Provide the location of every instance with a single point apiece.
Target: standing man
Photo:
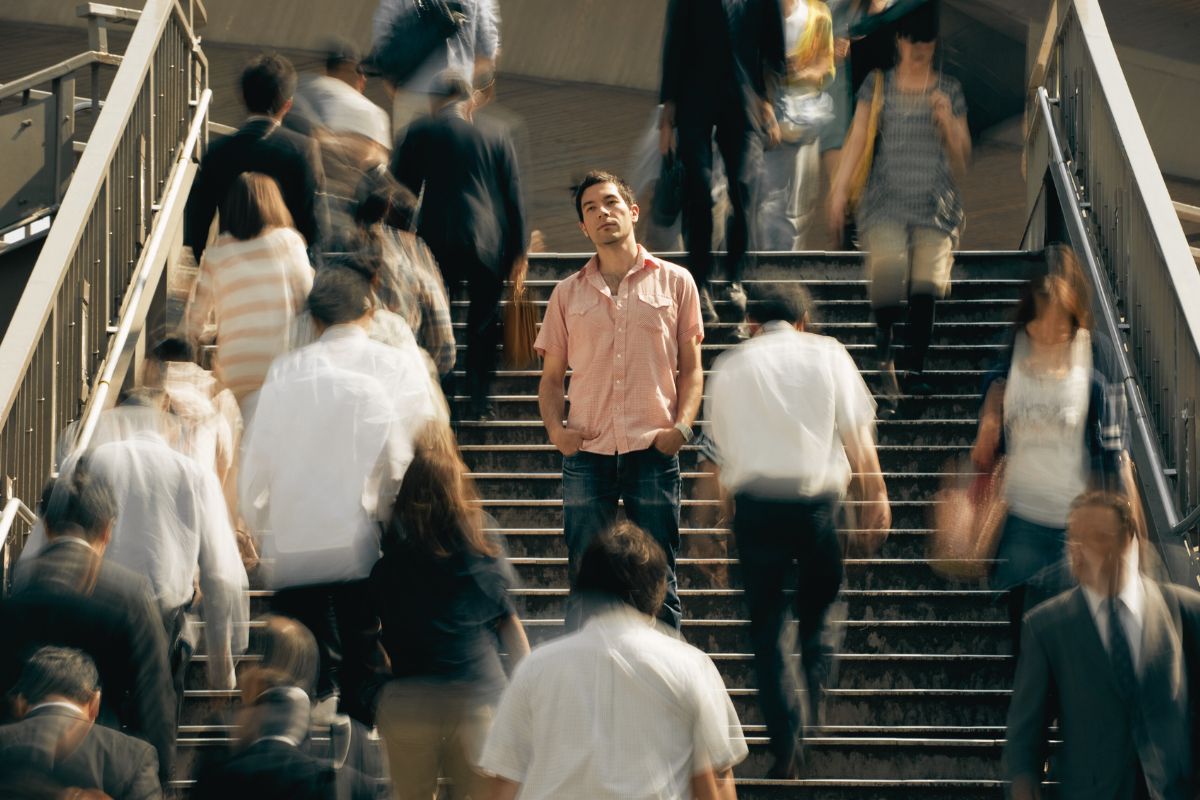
(472, 218)
(793, 423)
(260, 145)
(625, 324)
(722, 60)
(1117, 661)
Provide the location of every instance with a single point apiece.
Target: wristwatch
(684, 429)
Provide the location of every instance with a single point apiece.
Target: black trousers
(343, 621)
(778, 541)
(740, 145)
(484, 290)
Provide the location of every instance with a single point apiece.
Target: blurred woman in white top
(252, 282)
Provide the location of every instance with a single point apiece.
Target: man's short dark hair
(268, 82)
(779, 303)
(340, 294)
(340, 51)
(600, 176)
(624, 564)
(1115, 502)
(78, 503)
(60, 671)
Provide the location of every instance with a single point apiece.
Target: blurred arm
(512, 636)
(502, 789)
(1027, 718)
(711, 785)
(690, 387)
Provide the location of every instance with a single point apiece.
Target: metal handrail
(119, 211)
(1085, 132)
(151, 262)
(14, 509)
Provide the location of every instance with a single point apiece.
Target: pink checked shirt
(623, 351)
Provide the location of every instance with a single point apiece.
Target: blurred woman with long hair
(441, 590)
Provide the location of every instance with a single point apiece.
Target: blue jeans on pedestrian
(648, 483)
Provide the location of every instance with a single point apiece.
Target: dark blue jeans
(648, 483)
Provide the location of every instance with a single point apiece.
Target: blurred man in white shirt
(617, 710)
(793, 423)
(323, 460)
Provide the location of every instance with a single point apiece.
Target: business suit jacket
(719, 56)
(1065, 672)
(472, 207)
(267, 770)
(68, 597)
(121, 766)
(258, 146)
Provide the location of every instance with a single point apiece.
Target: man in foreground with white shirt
(617, 710)
(1116, 661)
(793, 423)
(323, 461)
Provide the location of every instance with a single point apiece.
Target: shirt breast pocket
(656, 312)
(581, 307)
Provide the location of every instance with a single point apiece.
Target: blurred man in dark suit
(472, 216)
(69, 596)
(58, 696)
(260, 145)
(1117, 662)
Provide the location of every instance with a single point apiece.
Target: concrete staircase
(923, 678)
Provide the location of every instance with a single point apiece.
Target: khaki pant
(903, 262)
(433, 731)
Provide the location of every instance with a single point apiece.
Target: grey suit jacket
(1064, 673)
(121, 766)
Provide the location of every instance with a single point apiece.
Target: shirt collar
(347, 330)
(646, 260)
(74, 709)
(1132, 594)
(68, 538)
(619, 616)
(263, 118)
(776, 325)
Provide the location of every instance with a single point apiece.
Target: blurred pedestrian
(833, 133)
(441, 589)
(721, 63)
(339, 414)
(70, 595)
(334, 100)
(636, 712)
(58, 695)
(471, 52)
(790, 188)
(260, 145)
(1116, 661)
(625, 324)
(252, 282)
(472, 218)
(1046, 413)
(910, 216)
(794, 424)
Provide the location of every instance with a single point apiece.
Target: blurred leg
(411, 728)
(364, 665)
(483, 331)
(695, 152)
(819, 558)
(464, 748)
(776, 223)
(741, 149)
(590, 495)
(312, 606)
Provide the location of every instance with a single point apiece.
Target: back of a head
(268, 83)
(290, 648)
(61, 671)
(252, 206)
(78, 503)
(779, 303)
(339, 295)
(624, 565)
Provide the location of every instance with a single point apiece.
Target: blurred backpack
(415, 35)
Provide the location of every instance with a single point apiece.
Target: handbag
(802, 113)
(414, 36)
(862, 171)
(969, 513)
(520, 323)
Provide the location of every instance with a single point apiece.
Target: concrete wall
(613, 42)
(1167, 95)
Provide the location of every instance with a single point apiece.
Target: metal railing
(1085, 132)
(73, 334)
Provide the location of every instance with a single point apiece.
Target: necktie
(1119, 652)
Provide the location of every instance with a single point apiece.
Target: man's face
(607, 218)
(1098, 548)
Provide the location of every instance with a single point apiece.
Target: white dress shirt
(616, 711)
(343, 109)
(778, 408)
(1131, 608)
(172, 521)
(326, 450)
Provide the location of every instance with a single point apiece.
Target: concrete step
(889, 432)
(965, 671)
(545, 457)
